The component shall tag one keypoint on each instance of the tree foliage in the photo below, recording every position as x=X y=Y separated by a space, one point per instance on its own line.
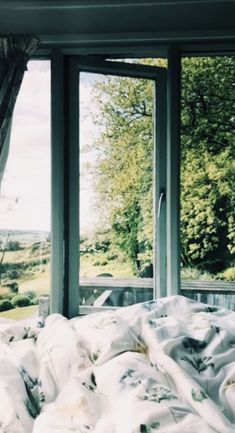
x=125 y=165
x=124 y=168
x=207 y=162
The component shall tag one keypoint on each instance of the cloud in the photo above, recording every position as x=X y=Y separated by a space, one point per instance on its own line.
x=28 y=169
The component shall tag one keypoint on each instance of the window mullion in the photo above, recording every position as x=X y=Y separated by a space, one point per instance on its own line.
x=160 y=186
x=72 y=249
x=57 y=182
x=173 y=172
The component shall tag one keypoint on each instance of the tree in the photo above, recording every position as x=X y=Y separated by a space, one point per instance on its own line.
x=125 y=165
x=208 y=167
x=124 y=169
x=3 y=250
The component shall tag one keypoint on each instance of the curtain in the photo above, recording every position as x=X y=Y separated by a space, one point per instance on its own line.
x=15 y=51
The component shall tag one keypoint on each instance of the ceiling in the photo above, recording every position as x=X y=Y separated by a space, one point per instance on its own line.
x=92 y=23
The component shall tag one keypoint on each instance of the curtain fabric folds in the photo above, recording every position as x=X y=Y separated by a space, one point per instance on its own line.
x=15 y=51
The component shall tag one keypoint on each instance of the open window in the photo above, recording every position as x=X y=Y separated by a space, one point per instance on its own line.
x=129 y=239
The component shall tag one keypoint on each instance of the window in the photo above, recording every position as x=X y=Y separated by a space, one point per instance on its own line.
x=116 y=188
x=25 y=198
x=208 y=179
x=79 y=116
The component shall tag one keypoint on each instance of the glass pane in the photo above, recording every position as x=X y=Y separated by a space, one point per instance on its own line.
x=208 y=180
x=116 y=189
x=25 y=199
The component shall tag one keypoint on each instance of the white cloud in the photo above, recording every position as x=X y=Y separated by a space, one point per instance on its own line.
x=26 y=184
x=27 y=176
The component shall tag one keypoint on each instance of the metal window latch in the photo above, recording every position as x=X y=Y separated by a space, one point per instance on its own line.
x=161 y=198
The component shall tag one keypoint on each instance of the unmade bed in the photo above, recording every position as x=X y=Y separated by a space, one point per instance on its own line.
x=164 y=366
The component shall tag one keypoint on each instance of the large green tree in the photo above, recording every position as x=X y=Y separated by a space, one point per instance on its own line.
x=124 y=169
x=125 y=165
x=208 y=162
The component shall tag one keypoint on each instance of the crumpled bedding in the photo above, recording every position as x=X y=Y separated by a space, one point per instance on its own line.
x=161 y=366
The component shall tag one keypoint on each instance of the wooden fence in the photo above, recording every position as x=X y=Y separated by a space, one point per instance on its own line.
x=113 y=292
x=102 y=292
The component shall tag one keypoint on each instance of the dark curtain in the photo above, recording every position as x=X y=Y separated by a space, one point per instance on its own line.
x=15 y=51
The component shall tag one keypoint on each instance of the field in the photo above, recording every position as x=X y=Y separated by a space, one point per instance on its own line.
x=20 y=313
x=25 y=270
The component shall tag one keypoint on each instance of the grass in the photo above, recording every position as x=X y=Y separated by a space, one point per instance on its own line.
x=40 y=283
x=20 y=313
x=118 y=269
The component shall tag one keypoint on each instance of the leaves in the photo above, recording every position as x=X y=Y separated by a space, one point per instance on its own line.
x=198 y=395
x=207 y=172
x=123 y=176
x=93 y=381
x=128 y=373
x=125 y=167
x=144 y=428
x=157 y=394
x=92 y=385
x=199 y=363
x=194 y=345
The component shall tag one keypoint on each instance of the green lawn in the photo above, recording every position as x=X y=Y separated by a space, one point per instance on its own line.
x=20 y=313
x=119 y=269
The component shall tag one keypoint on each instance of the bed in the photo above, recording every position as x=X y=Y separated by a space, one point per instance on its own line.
x=159 y=366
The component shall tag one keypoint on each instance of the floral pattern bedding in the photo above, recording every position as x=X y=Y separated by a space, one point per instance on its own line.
x=161 y=366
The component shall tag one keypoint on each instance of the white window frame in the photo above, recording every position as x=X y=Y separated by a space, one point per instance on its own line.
x=65 y=181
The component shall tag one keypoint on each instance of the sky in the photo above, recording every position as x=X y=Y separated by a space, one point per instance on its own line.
x=25 y=190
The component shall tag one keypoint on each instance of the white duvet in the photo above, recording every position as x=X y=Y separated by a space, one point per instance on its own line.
x=164 y=366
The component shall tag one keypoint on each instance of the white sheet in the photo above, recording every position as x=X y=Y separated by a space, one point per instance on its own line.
x=165 y=366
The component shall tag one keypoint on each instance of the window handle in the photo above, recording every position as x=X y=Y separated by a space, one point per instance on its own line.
x=161 y=198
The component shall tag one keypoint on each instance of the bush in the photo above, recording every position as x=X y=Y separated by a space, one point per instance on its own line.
x=12 y=274
x=101 y=262
x=13 y=246
x=229 y=274
x=33 y=297
x=5 y=305
x=12 y=286
x=21 y=301
x=31 y=294
x=4 y=293
x=197 y=274
x=34 y=301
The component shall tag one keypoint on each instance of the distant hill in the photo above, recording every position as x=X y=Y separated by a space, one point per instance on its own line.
x=25 y=236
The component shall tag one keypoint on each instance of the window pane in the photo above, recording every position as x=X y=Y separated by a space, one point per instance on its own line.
x=208 y=179
x=116 y=189
x=25 y=199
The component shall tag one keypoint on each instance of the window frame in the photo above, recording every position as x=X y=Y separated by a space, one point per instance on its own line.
x=65 y=231
x=59 y=55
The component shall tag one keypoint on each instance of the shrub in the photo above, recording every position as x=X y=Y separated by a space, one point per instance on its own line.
x=229 y=274
x=196 y=274
x=33 y=297
x=4 y=293
x=101 y=262
x=12 y=286
x=6 y=304
x=12 y=274
x=31 y=294
x=21 y=301
x=34 y=301
x=13 y=246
